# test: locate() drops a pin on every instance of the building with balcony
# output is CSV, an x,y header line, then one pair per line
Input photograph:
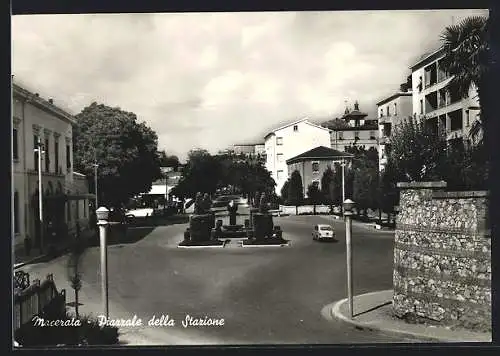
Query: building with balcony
x,y
392,110
437,100
313,163
289,141
65,199
353,128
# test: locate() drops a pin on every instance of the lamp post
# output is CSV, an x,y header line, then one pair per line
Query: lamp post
x,y
40,151
102,217
348,205
95,181
343,182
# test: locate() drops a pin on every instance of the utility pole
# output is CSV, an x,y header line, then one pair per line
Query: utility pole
x,y
40,151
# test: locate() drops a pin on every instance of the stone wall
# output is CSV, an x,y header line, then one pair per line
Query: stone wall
x,y
442,256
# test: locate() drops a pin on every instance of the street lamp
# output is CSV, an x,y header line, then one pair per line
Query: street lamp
x,y
343,164
95,180
102,220
348,206
40,151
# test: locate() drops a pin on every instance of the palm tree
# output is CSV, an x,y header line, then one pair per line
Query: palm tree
x,y
466,58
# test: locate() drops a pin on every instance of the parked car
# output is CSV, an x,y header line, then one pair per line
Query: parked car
x,y
323,232
133,214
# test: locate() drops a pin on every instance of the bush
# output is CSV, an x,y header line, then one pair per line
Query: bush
x,y
89,332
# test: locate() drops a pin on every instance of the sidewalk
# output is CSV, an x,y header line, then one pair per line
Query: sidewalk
x,y
90,304
21,259
373,311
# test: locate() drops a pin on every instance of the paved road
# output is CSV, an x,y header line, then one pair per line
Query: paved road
x,y
265,295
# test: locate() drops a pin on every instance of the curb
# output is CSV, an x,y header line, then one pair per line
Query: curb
x,y
41,258
332,311
280,245
201,247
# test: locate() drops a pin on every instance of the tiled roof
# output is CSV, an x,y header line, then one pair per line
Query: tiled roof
x,y
320,152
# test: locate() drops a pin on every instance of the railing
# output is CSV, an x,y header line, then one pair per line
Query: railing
x,y
32,299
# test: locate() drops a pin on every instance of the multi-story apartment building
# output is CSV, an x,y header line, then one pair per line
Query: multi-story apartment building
x,y
392,110
288,141
353,128
65,199
439,102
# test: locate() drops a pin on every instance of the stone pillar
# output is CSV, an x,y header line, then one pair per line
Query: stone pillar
x,y
442,255
200,227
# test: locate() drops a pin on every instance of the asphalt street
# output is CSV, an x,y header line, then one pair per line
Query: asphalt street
x,y
265,295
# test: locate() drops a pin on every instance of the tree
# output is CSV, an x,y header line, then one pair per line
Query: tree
x,y
168,161
390,194
314,195
419,152
467,59
365,185
125,150
327,188
284,190
296,190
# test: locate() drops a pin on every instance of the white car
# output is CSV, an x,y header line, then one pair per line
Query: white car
x,y
323,232
139,213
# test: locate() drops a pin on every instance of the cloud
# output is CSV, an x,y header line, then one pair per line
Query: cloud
x,y
214,79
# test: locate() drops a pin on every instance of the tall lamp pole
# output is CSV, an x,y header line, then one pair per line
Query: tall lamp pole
x,y
343,183
348,205
102,217
95,180
40,151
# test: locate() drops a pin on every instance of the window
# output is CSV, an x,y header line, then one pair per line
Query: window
x,y
395,109
35,153
356,135
421,106
315,167
68,157
381,112
295,128
372,135
420,85
316,183
47,160
16,212
279,175
341,135
387,111
15,147
279,157
56,155
279,141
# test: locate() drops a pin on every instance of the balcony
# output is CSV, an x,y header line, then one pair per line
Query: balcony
x,y
445,108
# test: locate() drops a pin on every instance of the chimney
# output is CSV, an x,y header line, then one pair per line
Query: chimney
x,y
51,100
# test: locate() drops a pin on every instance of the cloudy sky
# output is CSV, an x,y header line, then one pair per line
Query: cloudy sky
x,y
210,80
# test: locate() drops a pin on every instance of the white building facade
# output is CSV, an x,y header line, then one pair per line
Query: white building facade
x,y
289,141
35,118
439,102
391,112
